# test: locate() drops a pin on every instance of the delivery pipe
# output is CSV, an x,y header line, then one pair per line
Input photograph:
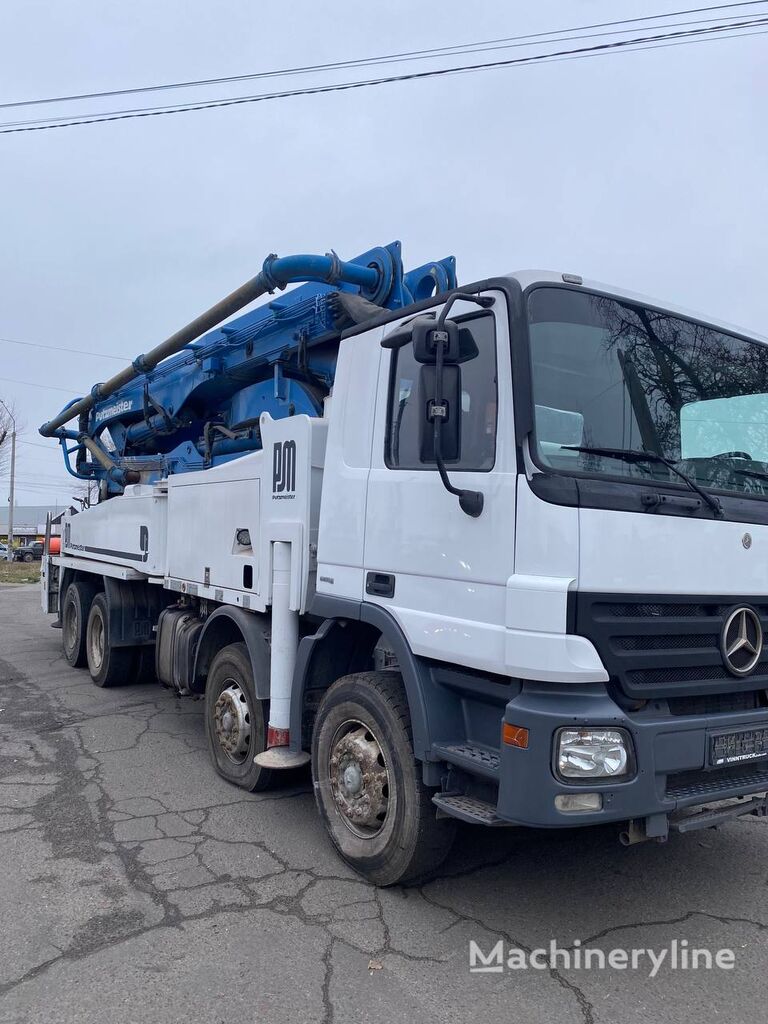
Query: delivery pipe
x,y
276,272
120,476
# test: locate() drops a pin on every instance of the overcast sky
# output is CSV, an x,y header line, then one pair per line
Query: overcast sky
x,y
646,170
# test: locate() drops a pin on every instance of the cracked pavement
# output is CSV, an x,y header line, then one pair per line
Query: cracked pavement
x,y
138,886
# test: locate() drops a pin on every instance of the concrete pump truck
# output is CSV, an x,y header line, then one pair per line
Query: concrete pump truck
x,y
496,553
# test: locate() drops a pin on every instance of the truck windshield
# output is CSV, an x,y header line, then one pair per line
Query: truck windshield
x,y
608,373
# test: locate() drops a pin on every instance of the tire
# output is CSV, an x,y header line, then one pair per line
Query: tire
x,y
74,621
28,557
109,666
379,814
235,719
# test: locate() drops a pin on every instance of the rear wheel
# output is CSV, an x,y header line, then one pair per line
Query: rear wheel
x,y
74,620
108,665
28,557
235,719
368,785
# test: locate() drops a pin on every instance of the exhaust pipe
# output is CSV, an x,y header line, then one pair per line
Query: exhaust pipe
x,y
637,831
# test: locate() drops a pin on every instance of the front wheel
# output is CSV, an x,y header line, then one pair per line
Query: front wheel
x,y
28,557
368,785
235,719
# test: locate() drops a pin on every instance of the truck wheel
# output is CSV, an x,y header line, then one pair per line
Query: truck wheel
x,y
74,620
109,666
29,557
368,784
235,719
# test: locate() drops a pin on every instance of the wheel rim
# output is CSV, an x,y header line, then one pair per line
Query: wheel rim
x,y
96,642
232,722
360,779
71,626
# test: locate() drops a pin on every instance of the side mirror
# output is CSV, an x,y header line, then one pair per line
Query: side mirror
x,y
437,345
427,337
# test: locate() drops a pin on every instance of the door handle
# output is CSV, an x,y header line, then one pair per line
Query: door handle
x,y
380,584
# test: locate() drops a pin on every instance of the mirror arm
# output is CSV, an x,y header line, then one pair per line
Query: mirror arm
x,y
486,301
470,502
402,335
398,339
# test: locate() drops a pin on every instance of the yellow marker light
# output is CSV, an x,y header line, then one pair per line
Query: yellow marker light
x,y
515,736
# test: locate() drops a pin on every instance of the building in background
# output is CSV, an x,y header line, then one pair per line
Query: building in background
x,y
29,522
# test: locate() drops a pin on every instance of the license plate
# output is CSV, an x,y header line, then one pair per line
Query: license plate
x,y
737,747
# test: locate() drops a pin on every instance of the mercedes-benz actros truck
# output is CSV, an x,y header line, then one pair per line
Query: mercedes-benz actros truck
x,y
495,553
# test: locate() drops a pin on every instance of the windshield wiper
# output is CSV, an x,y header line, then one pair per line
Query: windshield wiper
x,y
633,455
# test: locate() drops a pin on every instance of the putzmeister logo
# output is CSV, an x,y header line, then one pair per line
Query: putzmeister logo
x,y
114,410
284,470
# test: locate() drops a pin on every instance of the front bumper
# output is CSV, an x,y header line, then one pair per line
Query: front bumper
x,y
670,760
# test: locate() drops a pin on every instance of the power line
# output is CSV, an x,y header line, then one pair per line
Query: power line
x,y
55,485
37,444
42,481
37,384
407,55
57,488
458,50
62,348
37,481
691,35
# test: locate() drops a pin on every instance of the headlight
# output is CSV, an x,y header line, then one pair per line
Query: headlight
x,y
592,753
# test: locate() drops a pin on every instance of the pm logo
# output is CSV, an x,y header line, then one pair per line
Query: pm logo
x,y
284,470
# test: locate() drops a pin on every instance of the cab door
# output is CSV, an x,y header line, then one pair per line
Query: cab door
x,y
441,573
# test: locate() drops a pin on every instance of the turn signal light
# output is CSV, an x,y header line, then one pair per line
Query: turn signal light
x,y
515,735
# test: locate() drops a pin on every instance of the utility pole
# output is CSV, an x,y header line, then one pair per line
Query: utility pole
x,y
9,555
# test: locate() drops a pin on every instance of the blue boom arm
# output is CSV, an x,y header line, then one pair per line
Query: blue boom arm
x,y
201,405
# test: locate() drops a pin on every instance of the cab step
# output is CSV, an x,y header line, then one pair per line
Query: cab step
x,y
711,817
468,808
473,759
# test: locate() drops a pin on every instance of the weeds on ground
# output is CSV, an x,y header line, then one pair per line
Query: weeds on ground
x,y
19,572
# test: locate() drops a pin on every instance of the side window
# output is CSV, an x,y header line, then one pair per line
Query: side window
x,y
477,427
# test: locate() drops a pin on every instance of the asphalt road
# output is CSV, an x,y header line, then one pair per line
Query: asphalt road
x,y
137,886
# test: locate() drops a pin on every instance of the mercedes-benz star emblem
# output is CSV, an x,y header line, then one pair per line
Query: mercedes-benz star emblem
x,y
741,641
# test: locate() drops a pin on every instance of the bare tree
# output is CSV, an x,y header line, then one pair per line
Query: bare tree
x,y
86,493
677,362
7,415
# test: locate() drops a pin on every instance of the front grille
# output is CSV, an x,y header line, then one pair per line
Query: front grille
x,y
704,784
654,646
655,676
666,643
716,703
645,610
